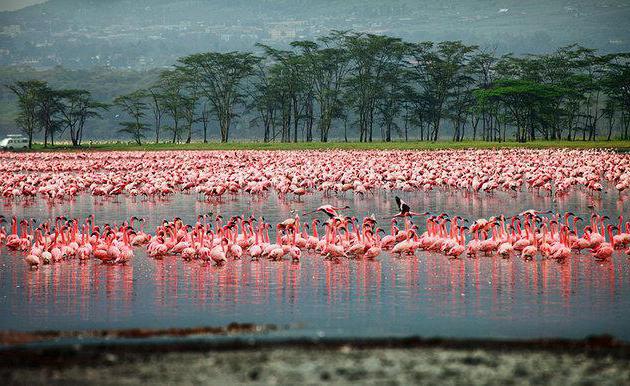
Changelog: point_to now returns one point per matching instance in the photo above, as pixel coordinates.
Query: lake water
(426, 295)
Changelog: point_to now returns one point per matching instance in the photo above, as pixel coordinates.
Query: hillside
(150, 33)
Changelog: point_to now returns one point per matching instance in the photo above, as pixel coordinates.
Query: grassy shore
(411, 145)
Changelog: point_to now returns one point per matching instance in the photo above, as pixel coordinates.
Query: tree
(617, 85)
(482, 68)
(523, 99)
(392, 92)
(155, 94)
(331, 65)
(219, 78)
(372, 56)
(440, 71)
(264, 100)
(174, 99)
(134, 106)
(76, 107)
(49, 106)
(356, 79)
(27, 93)
(189, 112)
(292, 85)
(331, 68)
(204, 118)
(609, 111)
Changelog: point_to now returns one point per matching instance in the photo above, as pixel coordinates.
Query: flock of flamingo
(61, 176)
(529, 234)
(212, 174)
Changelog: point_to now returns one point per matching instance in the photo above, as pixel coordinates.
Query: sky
(12, 5)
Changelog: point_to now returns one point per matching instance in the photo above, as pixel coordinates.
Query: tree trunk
(225, 131)
(157, 129)
(310, 120)
(295, 121)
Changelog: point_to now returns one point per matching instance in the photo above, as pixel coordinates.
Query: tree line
(370, 87)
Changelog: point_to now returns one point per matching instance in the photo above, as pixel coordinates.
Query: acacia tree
(49, 106)
(179, 100)
(482, 68)
(438, 71)
(155, 95)
(524, 100)
(264, 100)
(174, 99)
(617, 85)
(371, 57)
(330, 64)
(279, 89)
(27, 93)
(307, 62)
(292, 82)
(219, 78)
(76, 107)
(134, 106)
(392, 91)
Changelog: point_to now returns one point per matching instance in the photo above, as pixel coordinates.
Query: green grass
(411, 145)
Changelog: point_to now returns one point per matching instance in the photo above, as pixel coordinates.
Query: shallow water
(427, 295)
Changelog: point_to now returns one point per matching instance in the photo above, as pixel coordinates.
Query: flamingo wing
(402, 206)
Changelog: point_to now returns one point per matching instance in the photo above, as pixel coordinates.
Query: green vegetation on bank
(351, 85)
(411, 145)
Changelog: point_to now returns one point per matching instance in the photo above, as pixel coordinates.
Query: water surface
(427, 295)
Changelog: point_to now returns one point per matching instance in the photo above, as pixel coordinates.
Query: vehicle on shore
(14, 142)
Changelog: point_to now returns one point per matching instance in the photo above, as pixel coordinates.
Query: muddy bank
(339, 365)
(400, 361)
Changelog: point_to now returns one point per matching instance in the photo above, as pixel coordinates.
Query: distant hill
(152, 33)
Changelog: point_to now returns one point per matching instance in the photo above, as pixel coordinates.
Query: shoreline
(395, 145)
(595, 360)
(20, 354)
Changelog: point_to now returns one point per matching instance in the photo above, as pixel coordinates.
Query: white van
(13, 142)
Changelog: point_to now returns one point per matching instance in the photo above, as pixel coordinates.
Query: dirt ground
(334, 365)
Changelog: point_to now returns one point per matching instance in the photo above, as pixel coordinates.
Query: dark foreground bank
(596, 361)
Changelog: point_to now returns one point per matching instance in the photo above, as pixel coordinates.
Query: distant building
(12, 30)
(285, 30)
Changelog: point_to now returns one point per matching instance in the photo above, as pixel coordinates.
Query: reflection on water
(426, 295)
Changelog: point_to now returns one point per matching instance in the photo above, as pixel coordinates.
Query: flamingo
(404, 210)
(328, 210)
(218, 253)
(604, 250)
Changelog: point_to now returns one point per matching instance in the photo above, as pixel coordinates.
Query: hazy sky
(12, 5)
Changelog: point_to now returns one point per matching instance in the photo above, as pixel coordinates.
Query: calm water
(425, 295)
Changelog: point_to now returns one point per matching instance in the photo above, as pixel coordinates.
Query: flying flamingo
(328, 210)
(404, 210)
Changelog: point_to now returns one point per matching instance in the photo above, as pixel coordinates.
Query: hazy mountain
(12, 5)
(150, 33)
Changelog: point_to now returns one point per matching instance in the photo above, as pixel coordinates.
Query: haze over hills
(13, 5)
(143, 34)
